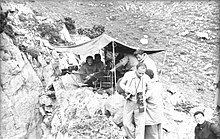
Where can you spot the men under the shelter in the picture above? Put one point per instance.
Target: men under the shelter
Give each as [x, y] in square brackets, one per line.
[98, 63]
[87, 69]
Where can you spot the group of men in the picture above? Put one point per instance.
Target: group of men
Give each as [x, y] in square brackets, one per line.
[91, 66]
[143, 108]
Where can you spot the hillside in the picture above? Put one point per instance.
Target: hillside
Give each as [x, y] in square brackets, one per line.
[190, 61]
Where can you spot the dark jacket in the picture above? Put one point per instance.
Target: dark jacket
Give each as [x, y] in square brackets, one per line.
[207, 130]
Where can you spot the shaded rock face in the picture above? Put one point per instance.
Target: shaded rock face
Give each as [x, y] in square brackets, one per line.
[20, 88]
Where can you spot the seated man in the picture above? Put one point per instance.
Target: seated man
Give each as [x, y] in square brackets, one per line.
[87, 69]
[98, 63]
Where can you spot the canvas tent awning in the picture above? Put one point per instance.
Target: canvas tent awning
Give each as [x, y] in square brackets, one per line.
[100, 42]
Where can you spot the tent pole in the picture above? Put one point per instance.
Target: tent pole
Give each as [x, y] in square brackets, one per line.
[113, 50]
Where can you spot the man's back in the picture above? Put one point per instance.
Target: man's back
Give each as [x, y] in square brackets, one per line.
[129, 61]
[150, 65]
[154, 103]
[132, 62]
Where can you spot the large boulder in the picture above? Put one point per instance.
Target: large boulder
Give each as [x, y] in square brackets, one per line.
[20, 88]
[114, 105]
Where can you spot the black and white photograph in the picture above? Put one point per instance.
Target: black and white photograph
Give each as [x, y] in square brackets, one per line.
[109, 69]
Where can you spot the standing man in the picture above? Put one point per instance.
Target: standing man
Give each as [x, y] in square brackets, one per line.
[129, 62]
[134, 83]
[144, 58]
[205, 129]
[154, 109]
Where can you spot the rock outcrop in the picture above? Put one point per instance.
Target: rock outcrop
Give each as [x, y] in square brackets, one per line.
[20, 88]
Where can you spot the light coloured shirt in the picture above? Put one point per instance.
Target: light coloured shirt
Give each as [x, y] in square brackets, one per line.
[131, 81]
[150, 65]
[154, 103]
[129, 61]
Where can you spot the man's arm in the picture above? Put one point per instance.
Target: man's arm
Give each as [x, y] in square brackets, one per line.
[128, 90]
[123, 82]
[216, 130]
[122, 62]
[196, 134]
[83, 74]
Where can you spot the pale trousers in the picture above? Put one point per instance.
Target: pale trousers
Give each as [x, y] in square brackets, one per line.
[133, 120]
[153, 131]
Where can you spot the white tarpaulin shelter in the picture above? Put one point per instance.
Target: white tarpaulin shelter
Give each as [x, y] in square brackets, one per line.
[103, 41]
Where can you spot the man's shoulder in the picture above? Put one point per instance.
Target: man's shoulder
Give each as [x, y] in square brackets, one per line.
[98, 63]
[148, 59]
[84, 64]
[211, 125]
[129, 73]
[145, 76]
[197, 129]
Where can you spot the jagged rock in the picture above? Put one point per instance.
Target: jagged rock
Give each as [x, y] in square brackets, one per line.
[146, 36]
[70, 81]
[114, 105]
[177, 98]
[184, 33]
[96, 104]
[64, 34]
[202, 35]
[45, 100]
[20, 90]
[47, 44]
[40, 18]
[144, 41]
[173, 89]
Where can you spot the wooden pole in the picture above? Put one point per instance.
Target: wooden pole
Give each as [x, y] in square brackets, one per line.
[113, 50]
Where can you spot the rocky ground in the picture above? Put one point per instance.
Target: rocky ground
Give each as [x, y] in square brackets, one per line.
[187, 30]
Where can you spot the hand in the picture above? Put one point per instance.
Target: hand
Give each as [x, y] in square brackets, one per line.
[88, 77]
[128, 90]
